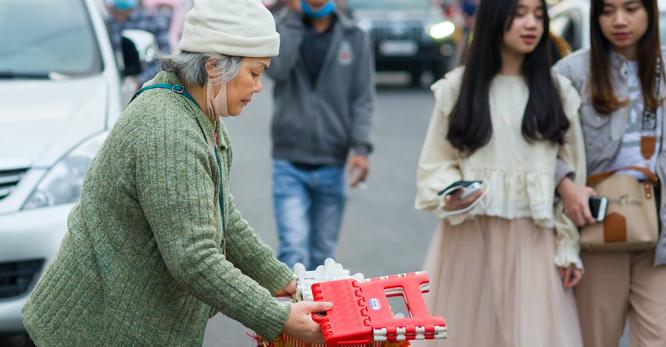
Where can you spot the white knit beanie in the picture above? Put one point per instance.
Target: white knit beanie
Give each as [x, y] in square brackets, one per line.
[243, 28]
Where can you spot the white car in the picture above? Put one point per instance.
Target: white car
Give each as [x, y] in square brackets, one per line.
[570, 19]
[60, 93]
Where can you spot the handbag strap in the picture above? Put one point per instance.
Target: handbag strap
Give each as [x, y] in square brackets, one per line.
[176, 88]
[649, 120]
[651, 177]
[660, 149]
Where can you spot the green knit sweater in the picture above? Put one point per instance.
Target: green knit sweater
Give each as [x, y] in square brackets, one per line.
[143, 260]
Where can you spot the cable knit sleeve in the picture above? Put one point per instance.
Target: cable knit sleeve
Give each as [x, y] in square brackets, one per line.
[572, 154]
[252, 256]
[176, 194]
[438, 164]
[245, 248]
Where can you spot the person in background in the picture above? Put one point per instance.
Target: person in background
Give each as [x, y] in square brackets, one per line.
[468, 9]
[156, 245]
[174, 9]
[127, 14]
[323, 104]
[504, 258]
[621, 78]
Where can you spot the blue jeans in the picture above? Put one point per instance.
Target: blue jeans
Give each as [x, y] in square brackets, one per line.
[308, 205]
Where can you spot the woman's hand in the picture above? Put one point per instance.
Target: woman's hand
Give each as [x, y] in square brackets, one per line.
[453, 202]
[576, 205]
[300, 324]
[570, 275]
[288, 290]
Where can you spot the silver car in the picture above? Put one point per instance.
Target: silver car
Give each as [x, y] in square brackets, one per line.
[60, 91]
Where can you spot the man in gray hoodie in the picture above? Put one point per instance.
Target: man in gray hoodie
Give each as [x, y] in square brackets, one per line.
[323, 104]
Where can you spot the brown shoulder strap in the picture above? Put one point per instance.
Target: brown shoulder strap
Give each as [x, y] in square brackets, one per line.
[595, 179]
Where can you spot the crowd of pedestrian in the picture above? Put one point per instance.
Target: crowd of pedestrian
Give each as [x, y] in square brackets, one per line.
[156, 245]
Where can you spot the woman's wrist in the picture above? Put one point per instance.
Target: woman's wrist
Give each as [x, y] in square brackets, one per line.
[565, 187]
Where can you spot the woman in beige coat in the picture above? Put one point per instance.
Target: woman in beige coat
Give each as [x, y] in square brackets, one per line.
[504, 119]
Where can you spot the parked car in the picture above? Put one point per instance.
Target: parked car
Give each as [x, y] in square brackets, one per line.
[570, 19]
[60, 91]
[407, 35]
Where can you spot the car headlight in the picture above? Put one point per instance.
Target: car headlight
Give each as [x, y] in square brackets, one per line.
[442, 30]
[63, 182]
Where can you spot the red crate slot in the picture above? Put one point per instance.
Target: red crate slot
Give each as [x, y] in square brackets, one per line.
[362, 313]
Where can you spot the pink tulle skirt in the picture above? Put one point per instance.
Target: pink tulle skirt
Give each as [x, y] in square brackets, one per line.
[495, 283]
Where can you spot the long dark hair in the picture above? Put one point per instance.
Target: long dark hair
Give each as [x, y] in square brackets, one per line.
[604, 98]
[470, 126]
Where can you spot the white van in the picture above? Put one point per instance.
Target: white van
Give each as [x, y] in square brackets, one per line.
[60, 93]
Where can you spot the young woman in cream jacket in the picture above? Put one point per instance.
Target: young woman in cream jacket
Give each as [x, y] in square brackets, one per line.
[503, 260]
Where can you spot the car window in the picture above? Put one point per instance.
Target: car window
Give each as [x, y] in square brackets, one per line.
[47, 36]
[424, 5]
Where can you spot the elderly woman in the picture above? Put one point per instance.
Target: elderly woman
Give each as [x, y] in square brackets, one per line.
[156, 245]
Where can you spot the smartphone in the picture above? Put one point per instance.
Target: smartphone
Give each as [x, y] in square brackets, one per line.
[469, 190]
[598, 206]
[468, 187]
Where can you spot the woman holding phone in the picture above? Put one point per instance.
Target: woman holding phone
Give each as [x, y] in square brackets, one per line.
[503, 119]
[620, 78]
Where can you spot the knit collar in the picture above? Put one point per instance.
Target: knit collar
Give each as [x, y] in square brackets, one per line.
[208, 127]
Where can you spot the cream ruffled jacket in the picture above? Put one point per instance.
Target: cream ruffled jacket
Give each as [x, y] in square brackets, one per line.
[520, 176]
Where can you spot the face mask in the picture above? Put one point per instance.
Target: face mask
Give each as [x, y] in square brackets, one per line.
[322, 12]
[124, 4]
[217, 104]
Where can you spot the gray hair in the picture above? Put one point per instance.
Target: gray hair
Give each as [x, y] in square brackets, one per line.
[191, 67]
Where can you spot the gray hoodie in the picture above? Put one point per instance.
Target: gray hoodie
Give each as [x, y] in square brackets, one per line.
[319, 123]
[603, 135]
